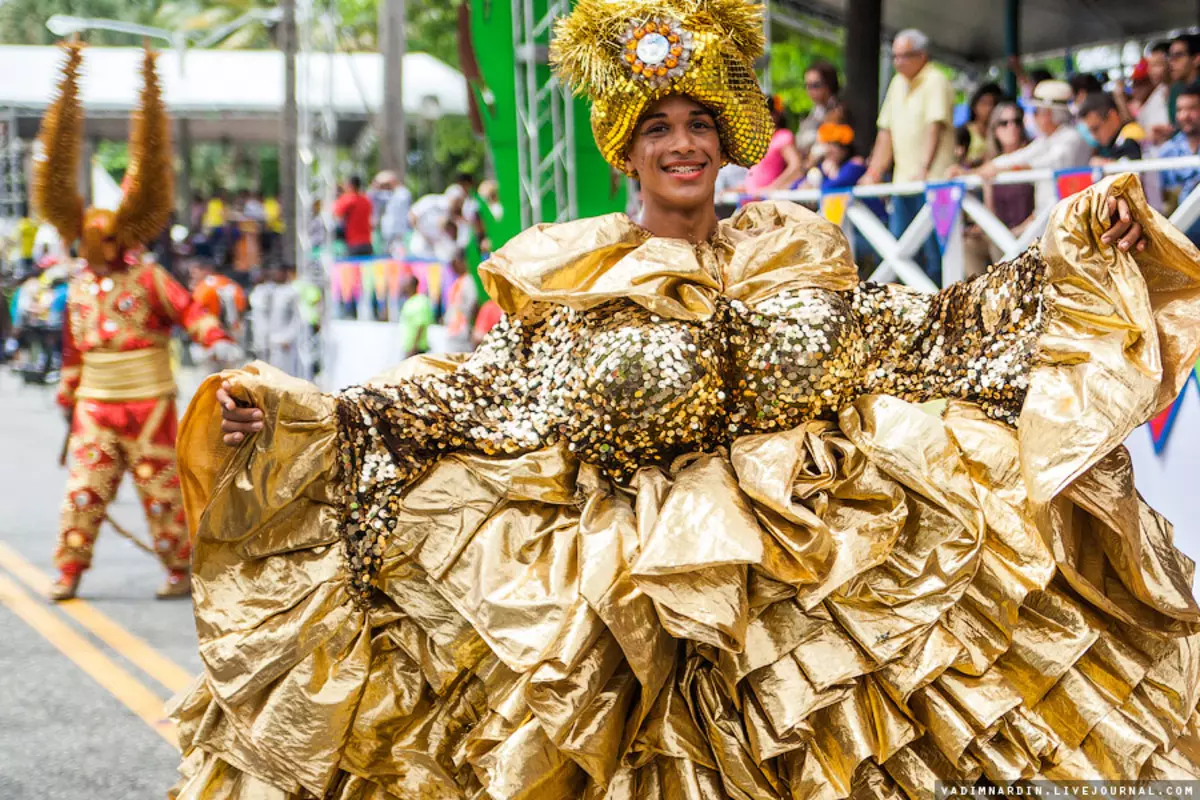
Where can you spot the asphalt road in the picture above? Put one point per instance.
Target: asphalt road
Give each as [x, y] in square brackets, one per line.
[82, 685]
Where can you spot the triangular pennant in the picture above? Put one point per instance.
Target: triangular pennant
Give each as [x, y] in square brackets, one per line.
[945, 202]
[339, 292]
[379, 268]
[1071, 181]
[834, 205]
[1160, 426]
[394, 276]
[367, 277]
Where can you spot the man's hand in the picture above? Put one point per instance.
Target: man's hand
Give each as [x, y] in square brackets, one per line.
[1126, 232]
[227, 353]
[1159, 134]
[868, 178]
[237, 422]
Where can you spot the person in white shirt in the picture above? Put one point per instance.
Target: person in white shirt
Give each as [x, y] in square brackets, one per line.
[1058, 144]
[393, 225]
[276, 321]
[253, 210]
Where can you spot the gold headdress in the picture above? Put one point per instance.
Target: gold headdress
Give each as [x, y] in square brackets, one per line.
[149, 179]
[626, 54]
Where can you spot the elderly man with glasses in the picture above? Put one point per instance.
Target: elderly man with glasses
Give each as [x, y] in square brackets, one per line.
[916, 133]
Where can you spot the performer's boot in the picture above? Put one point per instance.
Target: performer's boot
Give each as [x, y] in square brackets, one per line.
[66, 587]
[179, 584]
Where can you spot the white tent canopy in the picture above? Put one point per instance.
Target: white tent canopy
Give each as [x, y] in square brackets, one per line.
[226, 92]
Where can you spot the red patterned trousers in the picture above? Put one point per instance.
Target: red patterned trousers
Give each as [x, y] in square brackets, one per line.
[108, 439]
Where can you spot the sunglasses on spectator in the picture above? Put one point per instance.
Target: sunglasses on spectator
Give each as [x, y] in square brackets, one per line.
[1177, 54]
[1011, 121]
[814, 85]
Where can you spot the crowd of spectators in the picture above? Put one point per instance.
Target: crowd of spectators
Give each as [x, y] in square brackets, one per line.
[1052, 124]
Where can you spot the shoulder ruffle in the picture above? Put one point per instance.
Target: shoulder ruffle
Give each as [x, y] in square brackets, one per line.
[765, 248]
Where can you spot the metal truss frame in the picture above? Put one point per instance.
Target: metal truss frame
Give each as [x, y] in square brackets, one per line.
[12, 167]
[316, 156]
[545, 117]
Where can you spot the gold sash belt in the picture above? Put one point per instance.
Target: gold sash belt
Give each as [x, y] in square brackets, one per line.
[130, 375]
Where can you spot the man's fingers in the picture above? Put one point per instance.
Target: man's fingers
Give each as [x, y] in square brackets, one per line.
[237, 414]
[1133, 237]
[232, 426]
[1118, 230]
[1123, 207]
[232, 438]
[224, 398]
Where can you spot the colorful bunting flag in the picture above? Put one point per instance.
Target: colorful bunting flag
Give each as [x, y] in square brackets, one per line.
[1161, 425]
[1070, 181]
[945, 203]
[834, 204]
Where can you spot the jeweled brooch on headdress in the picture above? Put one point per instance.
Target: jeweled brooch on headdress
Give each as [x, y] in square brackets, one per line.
[658, 51]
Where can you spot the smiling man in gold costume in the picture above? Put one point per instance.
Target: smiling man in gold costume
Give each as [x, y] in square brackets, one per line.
[681, 527]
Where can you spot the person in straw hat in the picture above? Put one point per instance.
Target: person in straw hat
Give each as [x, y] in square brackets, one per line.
[1058, 144]
[681, 527]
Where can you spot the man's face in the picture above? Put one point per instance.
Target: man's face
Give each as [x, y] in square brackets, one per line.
[908, 61]
[1187, 115]
[1103, 127]
[1183, 66]
[1044, 118]
[1159, 69]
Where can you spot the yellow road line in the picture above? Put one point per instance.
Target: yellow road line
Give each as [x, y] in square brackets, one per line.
[174, 677]
[119, 683]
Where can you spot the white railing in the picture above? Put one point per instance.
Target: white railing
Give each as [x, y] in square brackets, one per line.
[897, 254]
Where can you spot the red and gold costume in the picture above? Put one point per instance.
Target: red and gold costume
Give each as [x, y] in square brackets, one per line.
[117, 373]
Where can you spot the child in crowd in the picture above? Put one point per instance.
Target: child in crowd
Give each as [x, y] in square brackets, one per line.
[841, 168]
[416, 315]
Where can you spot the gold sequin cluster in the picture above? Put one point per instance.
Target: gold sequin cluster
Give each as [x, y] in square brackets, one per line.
[798, 356]
[591, 52]
[975, 340]
[651, 390]
[626, 389]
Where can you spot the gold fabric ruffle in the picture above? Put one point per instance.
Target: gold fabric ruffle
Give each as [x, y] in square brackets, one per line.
[764, 249]
[861, 606]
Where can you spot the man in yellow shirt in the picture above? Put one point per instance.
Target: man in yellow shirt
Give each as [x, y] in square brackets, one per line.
[916, 133]
[27, 231]
[214, 213]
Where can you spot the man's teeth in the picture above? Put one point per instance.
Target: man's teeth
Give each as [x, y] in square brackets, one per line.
[690, 169]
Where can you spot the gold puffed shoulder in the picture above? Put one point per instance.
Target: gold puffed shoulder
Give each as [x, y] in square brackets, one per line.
[683, 529]
[764, 249]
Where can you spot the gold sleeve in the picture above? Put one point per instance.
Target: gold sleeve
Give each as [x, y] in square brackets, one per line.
[975, 340]
[501, 401]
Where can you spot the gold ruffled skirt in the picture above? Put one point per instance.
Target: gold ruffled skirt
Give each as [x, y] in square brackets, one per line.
[849, 608]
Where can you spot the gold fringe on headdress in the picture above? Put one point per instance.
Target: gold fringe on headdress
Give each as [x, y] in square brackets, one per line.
[150, 178]
[56, 154]
[626, 54]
